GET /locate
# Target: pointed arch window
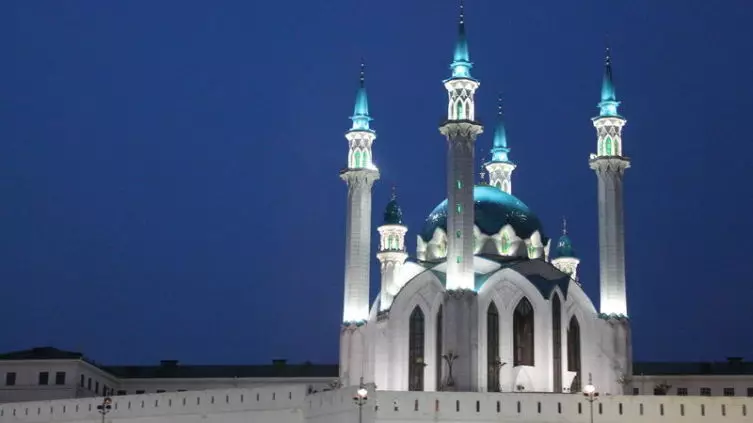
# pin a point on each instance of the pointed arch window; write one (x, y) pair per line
(573, 353)
(522, 323)
(416, 350)
(459, 110)
(505, 244)
(357, 159)
(557, 342)
(608, 146)
(438, 352)
(492, 348)
(365, 159)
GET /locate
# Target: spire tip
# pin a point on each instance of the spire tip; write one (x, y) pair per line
(564, 225)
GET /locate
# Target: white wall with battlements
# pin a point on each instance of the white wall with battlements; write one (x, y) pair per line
(291, 404)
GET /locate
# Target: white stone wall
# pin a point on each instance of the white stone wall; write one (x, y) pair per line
(693, 383)
(27, 387)
(292, 405)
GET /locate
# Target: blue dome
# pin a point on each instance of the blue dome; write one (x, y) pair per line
(493, 210)
(565, 247)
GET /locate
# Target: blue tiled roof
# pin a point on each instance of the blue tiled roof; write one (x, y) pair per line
(493, 210)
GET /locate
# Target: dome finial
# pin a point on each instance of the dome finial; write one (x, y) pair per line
(462, 12)
(461, 63)
(499, 105)
(609, 103)
(394, 192)
(361, 116)
(564, 225)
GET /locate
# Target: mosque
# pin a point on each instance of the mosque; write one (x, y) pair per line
(485, 321)
(488, 302)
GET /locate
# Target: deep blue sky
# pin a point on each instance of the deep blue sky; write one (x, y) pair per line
(169, 169)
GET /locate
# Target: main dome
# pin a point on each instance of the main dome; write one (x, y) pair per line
(493, 209)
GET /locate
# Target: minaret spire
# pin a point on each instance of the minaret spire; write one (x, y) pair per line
(360, 175)
(564, 225)
(461, 64)
(500, 167)
(361, 116)
(608, 104)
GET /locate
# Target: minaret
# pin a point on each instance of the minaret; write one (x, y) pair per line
(610, 164)
(391, 253)
(461, 130)
(565, 259)
(360, 175)
(500, 167)
(460, 308)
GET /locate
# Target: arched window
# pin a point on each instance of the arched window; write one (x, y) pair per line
(522, 323)
(573, 353)
(365, 159)
(357, 159)
(492, 348)
(616, 143)
(459, 110)
(438, 358)
(416, 350)
(557, 342)
(505, 244)
(498, 185)
(608, 146)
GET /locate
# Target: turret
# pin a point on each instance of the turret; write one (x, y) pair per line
(500, 167)
(565, 258)
(392, 253)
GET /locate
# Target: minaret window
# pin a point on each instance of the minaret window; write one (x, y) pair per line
(522, 323)
(365, 162)
(505, 244)
(492, 348)
(557, 342)
(416, 351)
(357, 159)
(457, 234)
(459, 208)
(460, 184)
(608, 146)
(459, 111)
(573, 353)
(438, 358)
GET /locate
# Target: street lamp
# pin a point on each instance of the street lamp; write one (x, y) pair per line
(591, 395)
(360, 399)
(105, 407)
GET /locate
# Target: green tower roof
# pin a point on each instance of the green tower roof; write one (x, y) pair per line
(461, 61)
(499, 146)
(361, 116)
(608, 105)
(393, 215)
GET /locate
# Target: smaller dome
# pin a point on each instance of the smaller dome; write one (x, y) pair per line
(565, 247)
(393, 215)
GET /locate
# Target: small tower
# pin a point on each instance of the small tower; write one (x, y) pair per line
(564, 255)
(500, 167)
(360, 176)
(609, 163)
(391, 253)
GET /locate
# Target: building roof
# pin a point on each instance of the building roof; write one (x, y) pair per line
(493, 209)
(173, 370)
(733, 366)
(42, 353)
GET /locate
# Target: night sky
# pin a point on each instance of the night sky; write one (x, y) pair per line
(169, 169)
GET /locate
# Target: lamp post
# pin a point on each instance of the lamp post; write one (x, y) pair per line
(105, 407)
(589, 391)
(360, 399)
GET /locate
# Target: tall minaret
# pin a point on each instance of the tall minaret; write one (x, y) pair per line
(610, 164)
(391, 253)
(500, 167)
(360, 175)
(461, 130)
(460, 307)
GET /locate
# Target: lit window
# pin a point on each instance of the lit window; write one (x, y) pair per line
(460, 184)
(459, 259)
(457, 234)
(459, 208)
